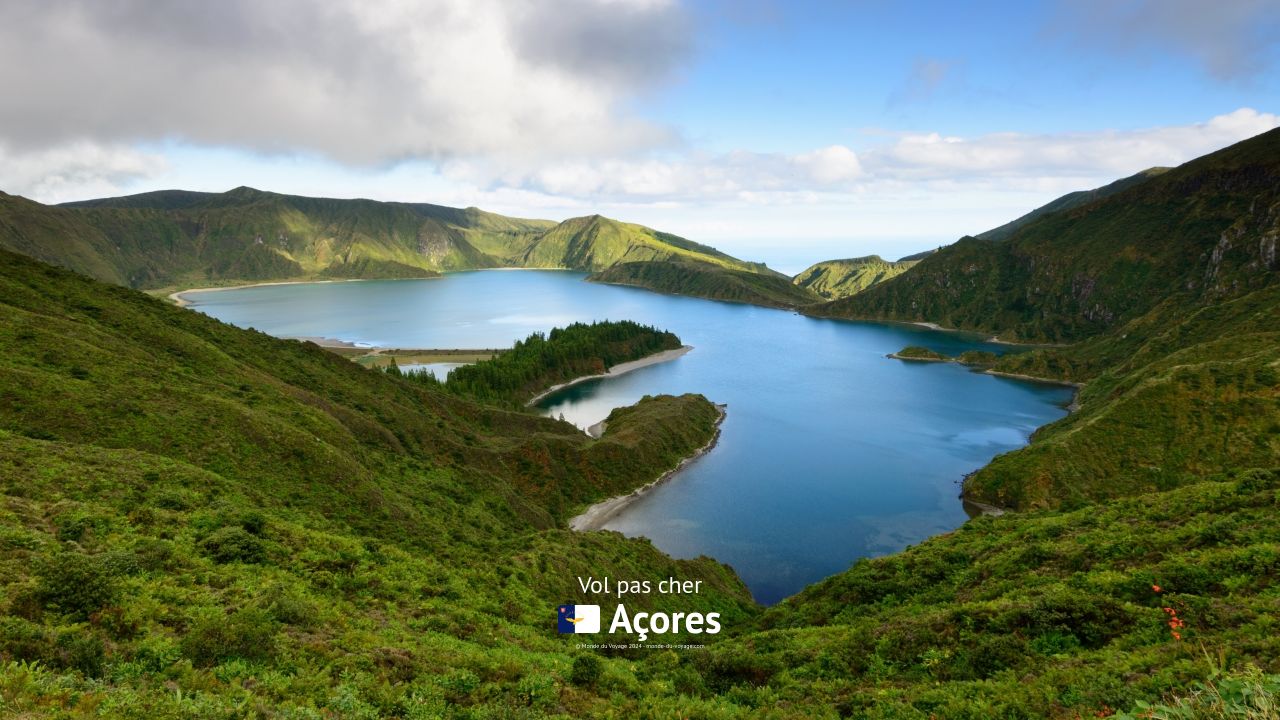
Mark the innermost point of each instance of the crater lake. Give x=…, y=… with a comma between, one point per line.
x=829, y=452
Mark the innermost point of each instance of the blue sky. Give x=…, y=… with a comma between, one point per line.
x=783, y=131
x=802, y=73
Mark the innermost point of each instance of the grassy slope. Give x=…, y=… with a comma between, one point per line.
x=1194, y=394
x=251, y=500
x=399, y=551
x=598, y=243
x=212, y=522
x=832, y=279
x=705, y=280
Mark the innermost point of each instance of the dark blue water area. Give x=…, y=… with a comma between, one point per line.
x=829, y=451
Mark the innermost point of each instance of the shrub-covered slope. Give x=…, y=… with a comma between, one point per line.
x=833, y=279
x=706, y=280
x=187, y=503
x=596, y=243
x=1171, y=398
x=1069, y=201
x=1196, y=234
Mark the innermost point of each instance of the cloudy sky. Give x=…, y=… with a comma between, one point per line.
x=782, y=131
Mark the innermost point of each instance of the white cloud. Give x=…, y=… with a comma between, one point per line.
x=693, y=177
x=75, y=170
x=363, y=83
x=1100, y=154
x=917, y=163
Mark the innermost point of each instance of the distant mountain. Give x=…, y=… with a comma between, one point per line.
x=181, y=238
x=757, y=285
x=596, y=243
x=832, y=279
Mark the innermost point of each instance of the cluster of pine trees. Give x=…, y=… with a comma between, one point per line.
x=546, y=359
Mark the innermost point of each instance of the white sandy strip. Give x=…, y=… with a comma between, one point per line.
x=181, y=301
x=618, y=369
x=594, y=517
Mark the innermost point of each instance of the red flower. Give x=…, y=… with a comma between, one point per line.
x=1156, y=588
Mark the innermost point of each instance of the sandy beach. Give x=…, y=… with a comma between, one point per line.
x=594, y=517
x=619, y=369
x=177, y=297
x=180, y=301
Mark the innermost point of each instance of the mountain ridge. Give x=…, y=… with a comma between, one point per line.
x=178, y=238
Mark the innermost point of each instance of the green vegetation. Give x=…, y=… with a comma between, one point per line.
x=174, y=239
x=199, y=521
x=915, y=352
x=1070, y=201
x=540, y=361
x=1168, y=287
x=1243, y=695
x=596, y=243
x=385, y=357
x=833, y=279
x=705, y=280
x=1169, y=399
x=1192, y=236
x=202, y=521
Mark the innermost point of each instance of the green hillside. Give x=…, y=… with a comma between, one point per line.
x=832, y=279
x=1196, y=234
x=595, y=243
x=177, y=238
x=186, y=502
x=711, y=281
x=1170, y=399
x=203, y=521
x=1071, y=200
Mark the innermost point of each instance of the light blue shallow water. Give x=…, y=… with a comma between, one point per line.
x=830, y=451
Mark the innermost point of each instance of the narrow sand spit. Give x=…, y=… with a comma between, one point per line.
x=594, y=517
x=618, y=369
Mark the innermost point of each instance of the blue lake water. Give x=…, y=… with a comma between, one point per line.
x=830, y=451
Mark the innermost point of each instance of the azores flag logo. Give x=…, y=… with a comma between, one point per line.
x=578, y=619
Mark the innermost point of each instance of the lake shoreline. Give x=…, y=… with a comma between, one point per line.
x=180, y=301
x=616, y=370
x=177, y=299
x=596, y=515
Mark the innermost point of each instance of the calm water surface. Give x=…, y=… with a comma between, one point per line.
x=830, y=452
